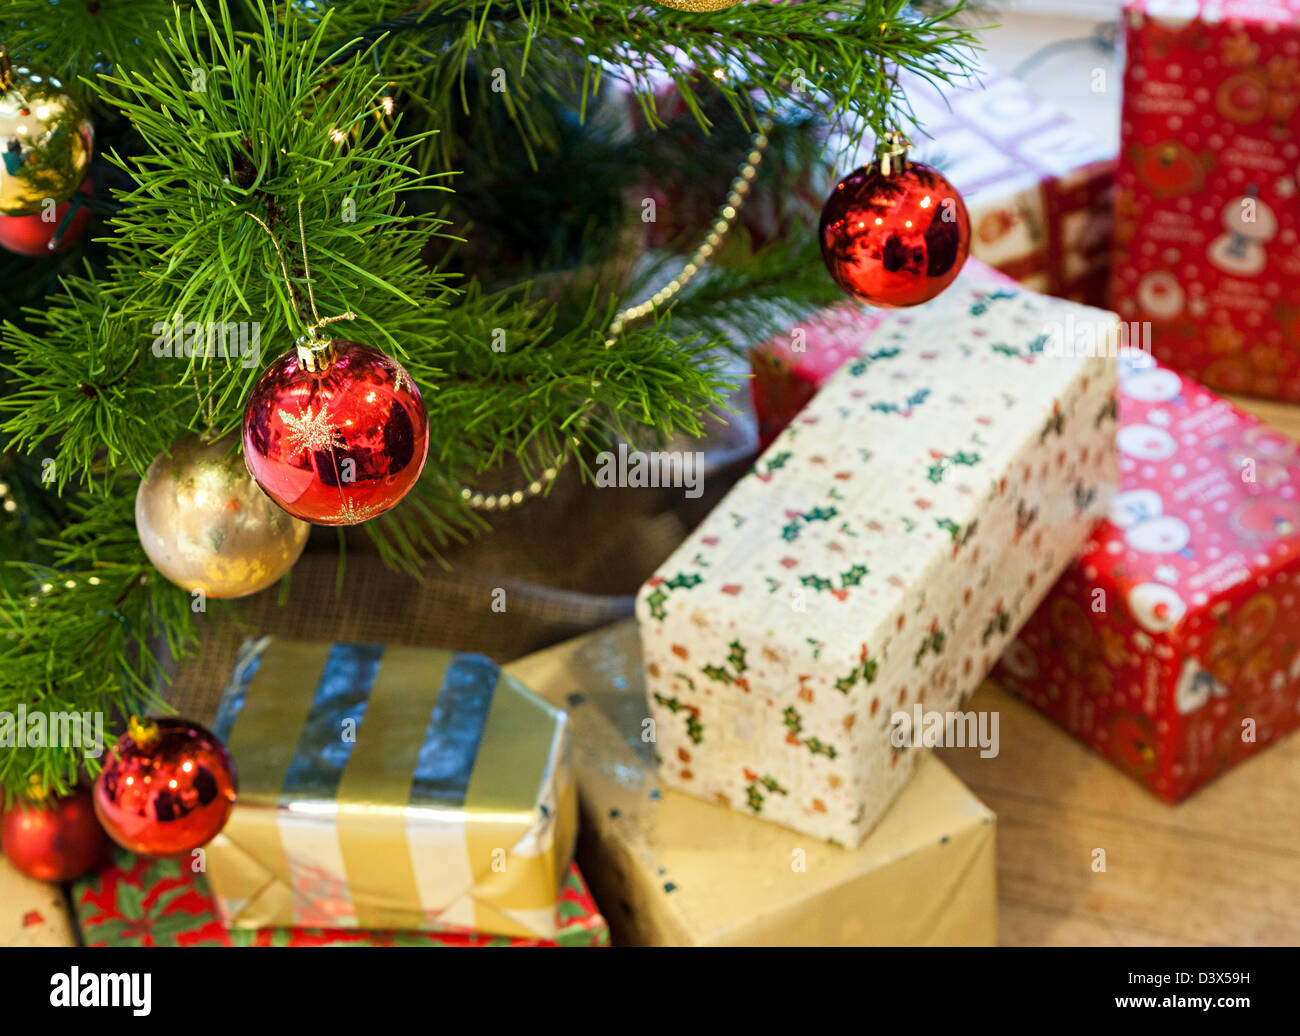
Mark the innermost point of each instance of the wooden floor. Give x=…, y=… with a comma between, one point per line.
x=1222, y=867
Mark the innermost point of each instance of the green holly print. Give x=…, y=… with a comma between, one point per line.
x=735, y=659
x=694, y=728
x=135, y=920
x=1025, y=518
x=866, y=669
x=773, y=462
x=1083, y=496
x=756, y=798
x=658, y=597
x=1000, y=623
x=1034, y=348
x=982, y=304
x=863, y=364
x=791, y=530
x=852, y=576
x=945, y=462
x=1055, y=426
x=1109, y=412
x=905, y=408
x=794, y=723
x=960, y=534
x=935, y=641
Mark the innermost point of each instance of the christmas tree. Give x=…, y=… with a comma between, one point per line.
x=461, y=186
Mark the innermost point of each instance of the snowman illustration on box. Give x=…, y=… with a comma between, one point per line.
x=1249, y=225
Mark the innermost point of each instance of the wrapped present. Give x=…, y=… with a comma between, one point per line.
x=140, y=901
x=1172, y=645
x=789, y=368
x=1037, y=185
x=32, y=913
x=1206, y=211
x=880, y=555
x=391, y=787
x=671, y=870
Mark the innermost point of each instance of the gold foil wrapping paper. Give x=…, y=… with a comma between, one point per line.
x=391, y=787
x=669, y=869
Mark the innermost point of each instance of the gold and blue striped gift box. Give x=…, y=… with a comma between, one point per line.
x=391, y=787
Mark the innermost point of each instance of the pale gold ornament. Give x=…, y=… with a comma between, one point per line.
x=206, y=525
x=45, y=140
x=696, y=5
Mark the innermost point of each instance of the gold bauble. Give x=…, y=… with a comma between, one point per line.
x=45, y=140
x=696, y=5
x=207, y=526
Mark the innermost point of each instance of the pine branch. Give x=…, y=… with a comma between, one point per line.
x=219, y=121
x=87, y=38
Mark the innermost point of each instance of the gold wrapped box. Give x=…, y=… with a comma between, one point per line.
x=391, y=787
x=669, y=869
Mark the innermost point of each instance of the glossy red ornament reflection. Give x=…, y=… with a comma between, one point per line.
x=338, y=445
x=167, y=787
x=57, y=840
x=894, y=233
x=34, y=236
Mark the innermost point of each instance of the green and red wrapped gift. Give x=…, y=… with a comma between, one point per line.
x=139, y=901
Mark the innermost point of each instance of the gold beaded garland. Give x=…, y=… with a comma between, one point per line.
x=738, y=190
x=697, y=5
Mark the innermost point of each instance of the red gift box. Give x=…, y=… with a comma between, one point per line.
x=1172, y=645
x=1207, y=212
x=140, y=901
x=789, y=368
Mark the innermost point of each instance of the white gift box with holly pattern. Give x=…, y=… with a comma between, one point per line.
x=881, y=554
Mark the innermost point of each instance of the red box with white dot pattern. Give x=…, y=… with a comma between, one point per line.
x=1207, y=212
x=1172, y=645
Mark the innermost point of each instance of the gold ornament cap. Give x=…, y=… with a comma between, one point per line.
x=143, y=731
x=315, y=355
x=891, y=154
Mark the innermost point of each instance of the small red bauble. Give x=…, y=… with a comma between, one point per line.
x=34, y=236
x=894, y=233
x=167, y=787
x=339, y=444
x=58, y=840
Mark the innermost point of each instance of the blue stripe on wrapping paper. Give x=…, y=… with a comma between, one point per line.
x=323, y=751
x=455, y=731
x=232, y=698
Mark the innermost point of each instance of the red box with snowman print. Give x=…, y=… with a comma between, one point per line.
x=1207, y=212
x=1172, y=644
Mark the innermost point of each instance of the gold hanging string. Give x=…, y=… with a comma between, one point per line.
x=738, y=190
x=210, y=416
x=313, y=352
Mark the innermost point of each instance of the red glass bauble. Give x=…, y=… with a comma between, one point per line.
x=338, y=445
x=894, y=239
x=34, y=236
x=58, y=840
x=167, y=787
